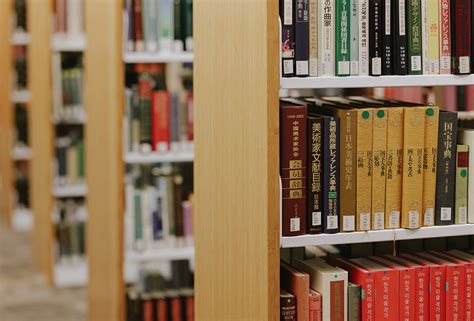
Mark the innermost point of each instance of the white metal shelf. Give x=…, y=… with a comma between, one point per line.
x=77, y=190
x=67, y=43
x=21, y=96
x=22, y=219
x=159, y=157
x=20, y=38
x=377, y=236
x=21, y=153
x=157, y=57
x=79, y=118
x=165, y=254
x=371, y=82
x=71, y=274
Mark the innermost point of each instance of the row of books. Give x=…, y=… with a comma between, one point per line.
x=430, y=285
x=21, y=125
x=155, y=118
x=69, y=163
x=68, y=17
x=22, y=190
x=20, y=76
x=68, y=86
x=158, y=25
x=159, y=210
x=360, y=37
x=20, y=21
x=359, y=164
x=70, y=218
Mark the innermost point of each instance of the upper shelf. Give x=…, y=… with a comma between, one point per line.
x=371, y=81
x=157, y=57
x=20, y=38
x=185, y=155
x=65, y=43
x=64, y=191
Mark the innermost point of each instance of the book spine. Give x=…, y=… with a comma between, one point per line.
x=462, y=161
x=446, y=170
x=364, y=170
x=363, y=9
x=379, y=161
x=455, y=294
x=466, y=137
x=293, y=169
x=422, y=294
x=400, y=52
x=433, y=36
x=430, y=156
x=343, y=67
x=407, y=295
x=353, y=302
x=330, y=174
x=415, y=40
x=145, y=110
x=354, y=37
x=461, y=36
x=315, y=306
x=287, y=38
x=302, y=38
x=287, y=308
x=187, y=19
x=174, y=134
x=313, y=38
x=337, y=297
x=413, y=145
x=424, y=37
x=315, y=168
x=387, y=34
x=178, y=31
x=326, y=38
x=375, y=37
x=150, y=24
x=190, y=104
x=445, y=37
x=165, y=24
x=138, y=26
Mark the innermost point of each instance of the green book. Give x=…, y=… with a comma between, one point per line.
x=150, y=23
x=414, y=37
x=343, y=33
x=138, y=216
x=178, y=32
x=460, y=203
x=187, y=23
x=80, y=161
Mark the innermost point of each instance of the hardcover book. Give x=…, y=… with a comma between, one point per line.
x=165, y=14
x=375, y=36
x=313, y=38
x=353, y=302
x=415, y=39
x=433, y=36
x=461, y=190
x=363, y=9
x=387, y=34
x=160, y=121
x=354, y=36
x=287, y=38
x=343, y=55
x=445, y=37
x=296, y=283
x=302, y=38
x=466, y=137
x=150, y=24
x=430, y=155
x=326, y=38
x=379, y=169
x=461, y=36
x=315, y=174
x=287, y=306
x=400, y=50
x=315, y=305
x=424, y=37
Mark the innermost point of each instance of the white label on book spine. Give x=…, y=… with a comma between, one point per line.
x=462, y=213
x=416, y=63
x=464, y=64
x=377, y=65
x=344, y=67
x=354, y=68
x=413, y=219
x=313, y=67
x=445, y=62
x=288, y=12
x=316, y=218
x=445, y=214
x=401, y=17
x=394, y=219
x=287, y=66
x=434, y=67
x=364, y=224
x=302, y=67
x=348, y=223
x=379, y=218
x=429, y=217
x=388, y=11
x=332, y=222
x=294, y=224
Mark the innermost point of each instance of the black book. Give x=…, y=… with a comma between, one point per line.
x=446, y=168
x=387, y=35
x=302, y=38
x=399, y=38
x=134, y=305
x=375, y=36
x=314, y=177
x=287, y=18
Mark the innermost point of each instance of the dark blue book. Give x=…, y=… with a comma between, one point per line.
x=302, y=38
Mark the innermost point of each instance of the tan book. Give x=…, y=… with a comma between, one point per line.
x=72, y=164
x=412, y=182
x=393, y=177
x=430, y=156
x=379, y=161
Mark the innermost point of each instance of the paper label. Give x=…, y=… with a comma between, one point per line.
x=294, y=224
x=348, y=223
x=387, y=17
x=464, y=64
x=434, y=67
x=401, y=17
x=445, y=62
x=288, y=9
x=332, y=222
x=445, y=213
x=364, y=224
x=413, y=219
x=379, y=218
x=354, y=67
x=344, y=67
x=287, y=66
x=316, y=218
x=302, y=67
x=462, y=213
x=313, y=67
x=377, y=66
x=416, y=63
x=429, y=216
x=394, y=219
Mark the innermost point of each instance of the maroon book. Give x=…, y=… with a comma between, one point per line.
x=287, y=306
x=137, y=25
x=461, y=36
x=293, y=158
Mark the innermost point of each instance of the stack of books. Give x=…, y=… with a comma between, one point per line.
x=69, y=164
x=361, y=164
x=362, y=38
x=158, y=25
x=68, y=17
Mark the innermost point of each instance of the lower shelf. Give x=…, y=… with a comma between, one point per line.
x=71, y=274
x=165, y=254
x=377, y=236
x=62, y=191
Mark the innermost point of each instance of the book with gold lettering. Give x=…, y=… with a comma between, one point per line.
x=379, y=161
x=430, y=156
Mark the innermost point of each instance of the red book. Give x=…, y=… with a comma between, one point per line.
x=147, y=307
x=445, y=37
x=386, y=289
x=293, y=149
x=470, y=96
x=137, y=25
x=161, y=309
x=315, y=312
x=461, y=36
x=407, y=279
x=421, y=286
x=176, y=309
x=296, y=283
x=190, y=308
x=160, y=120
x=366, y=280
x=190, y=116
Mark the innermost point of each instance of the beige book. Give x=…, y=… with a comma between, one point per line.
x=430, y=156
x=379, y=161
x=412, y=183
x=393, y=176
x=72, y=165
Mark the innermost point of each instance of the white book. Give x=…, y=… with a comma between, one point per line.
x=363, y=9
x=424, y=37
x=466, y=137
x=150, y=24
x=75, y=17
x=165, y=25
x=354, y=38
x=326, y=37
x=162, y=192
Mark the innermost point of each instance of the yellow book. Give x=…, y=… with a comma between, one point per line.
x=393, y=182
x=430, y=156
x=412, y=182
x=433, y=35
x=379, y=161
